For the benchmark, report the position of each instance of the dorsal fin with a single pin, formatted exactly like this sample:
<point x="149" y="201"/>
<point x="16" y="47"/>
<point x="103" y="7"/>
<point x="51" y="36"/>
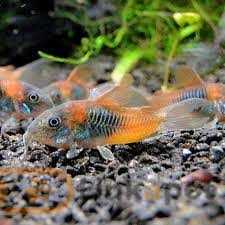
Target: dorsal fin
<point x="185" y="77"/>
<point x="126" y="80"/>
<point x="121" y="94"/>
<point x="80" y="75"/>
<point x="7" y="72"/>
<point x="102" y="89"/>
<point x="10" y="73"/>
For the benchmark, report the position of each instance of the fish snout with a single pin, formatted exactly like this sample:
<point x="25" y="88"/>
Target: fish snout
<point x="26" y="140"/>
<point x="29" y="138"/>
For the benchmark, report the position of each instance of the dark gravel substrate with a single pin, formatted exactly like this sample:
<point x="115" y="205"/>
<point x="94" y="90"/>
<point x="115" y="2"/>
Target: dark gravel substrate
<point x="147" y="183"/>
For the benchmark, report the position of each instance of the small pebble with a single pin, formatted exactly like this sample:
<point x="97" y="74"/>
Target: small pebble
<point x="202" y="147"/>
<point x="73" y="153"/>
<point x="186" y="153"/>
<point x="106" y="153"/>
<point x="217" y="153"/>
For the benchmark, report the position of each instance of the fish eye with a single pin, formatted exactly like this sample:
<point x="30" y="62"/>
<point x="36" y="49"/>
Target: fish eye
<point x="54" y="122"/>
<point x="34" y="97"/>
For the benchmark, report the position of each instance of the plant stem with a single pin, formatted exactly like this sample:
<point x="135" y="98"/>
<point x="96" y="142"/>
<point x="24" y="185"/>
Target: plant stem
<point x="65" y="60"/>
<point x="204" y="15"/>
<point x="167" y="66"/>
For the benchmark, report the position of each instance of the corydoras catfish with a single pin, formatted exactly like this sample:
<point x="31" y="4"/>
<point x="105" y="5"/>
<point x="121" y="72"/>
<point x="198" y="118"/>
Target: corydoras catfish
<point x="108" y="119"/>
<point x="76" y="87"/>
<point x="21" y="100"/>
<point x="189" y="85"/>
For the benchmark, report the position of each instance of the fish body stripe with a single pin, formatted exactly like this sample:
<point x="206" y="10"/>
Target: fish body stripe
<point x="102" y="122"/>
<point x="221" y="107"/>
<point x="193" y="93"/>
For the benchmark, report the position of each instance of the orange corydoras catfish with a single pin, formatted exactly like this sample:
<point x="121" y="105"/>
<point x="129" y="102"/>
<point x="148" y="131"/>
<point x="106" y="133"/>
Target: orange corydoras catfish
<point x="111" y="118"/>
<point x="189" y="85"/>
<point x="22" y="100"/>
<point x="75" y="87"/>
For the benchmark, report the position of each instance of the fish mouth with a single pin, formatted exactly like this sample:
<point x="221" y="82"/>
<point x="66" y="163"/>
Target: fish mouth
<point x="27" y="140"/>
<point x="31" y="135"/>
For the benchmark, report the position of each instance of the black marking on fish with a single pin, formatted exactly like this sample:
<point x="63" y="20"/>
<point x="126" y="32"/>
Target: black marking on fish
<point x="102" y="122"/>
<point x="193" y="93"/>
<point x="221" y="107"/>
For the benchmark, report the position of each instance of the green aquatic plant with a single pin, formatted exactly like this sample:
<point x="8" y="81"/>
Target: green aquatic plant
<point x="143" y="29"/>
<point x="189" y="23"/>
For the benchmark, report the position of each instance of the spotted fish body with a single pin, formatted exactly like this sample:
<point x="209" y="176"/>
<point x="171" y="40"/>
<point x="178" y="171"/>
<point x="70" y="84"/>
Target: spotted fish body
<point x="22" y="100"/>
<point x="192" y="87"/>
<point x="90" y="125"/>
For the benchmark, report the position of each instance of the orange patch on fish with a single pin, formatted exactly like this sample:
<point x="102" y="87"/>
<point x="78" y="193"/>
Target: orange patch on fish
<point x="13" y="89"/>
<point x="65" y="88"/>
<point x="75" y="87"/>
<point x="137" y="125"/>
<point x="215" y="91"/>
<point x="76" y="113"/>
<point x="10" y="73"/>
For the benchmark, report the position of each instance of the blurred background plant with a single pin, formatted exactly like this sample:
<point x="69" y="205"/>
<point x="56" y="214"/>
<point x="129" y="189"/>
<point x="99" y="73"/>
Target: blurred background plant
<point x="154" y="26"/>
<point x="151" y="30"/>
<point x="139" y="29"/>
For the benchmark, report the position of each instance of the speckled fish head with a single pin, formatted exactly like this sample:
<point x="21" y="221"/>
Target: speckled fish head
<point x="57" y="126"/>
<point x="33" y="101"/>
<point x="50" y="128"/>
<point x="62" y="91"/>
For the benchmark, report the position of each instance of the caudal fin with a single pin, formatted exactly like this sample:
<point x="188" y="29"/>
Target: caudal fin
<point x="189" y="114"/>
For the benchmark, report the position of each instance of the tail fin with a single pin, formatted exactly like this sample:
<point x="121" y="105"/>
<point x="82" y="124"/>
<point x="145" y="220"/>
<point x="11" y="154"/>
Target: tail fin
<point x="189" y="114"/>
